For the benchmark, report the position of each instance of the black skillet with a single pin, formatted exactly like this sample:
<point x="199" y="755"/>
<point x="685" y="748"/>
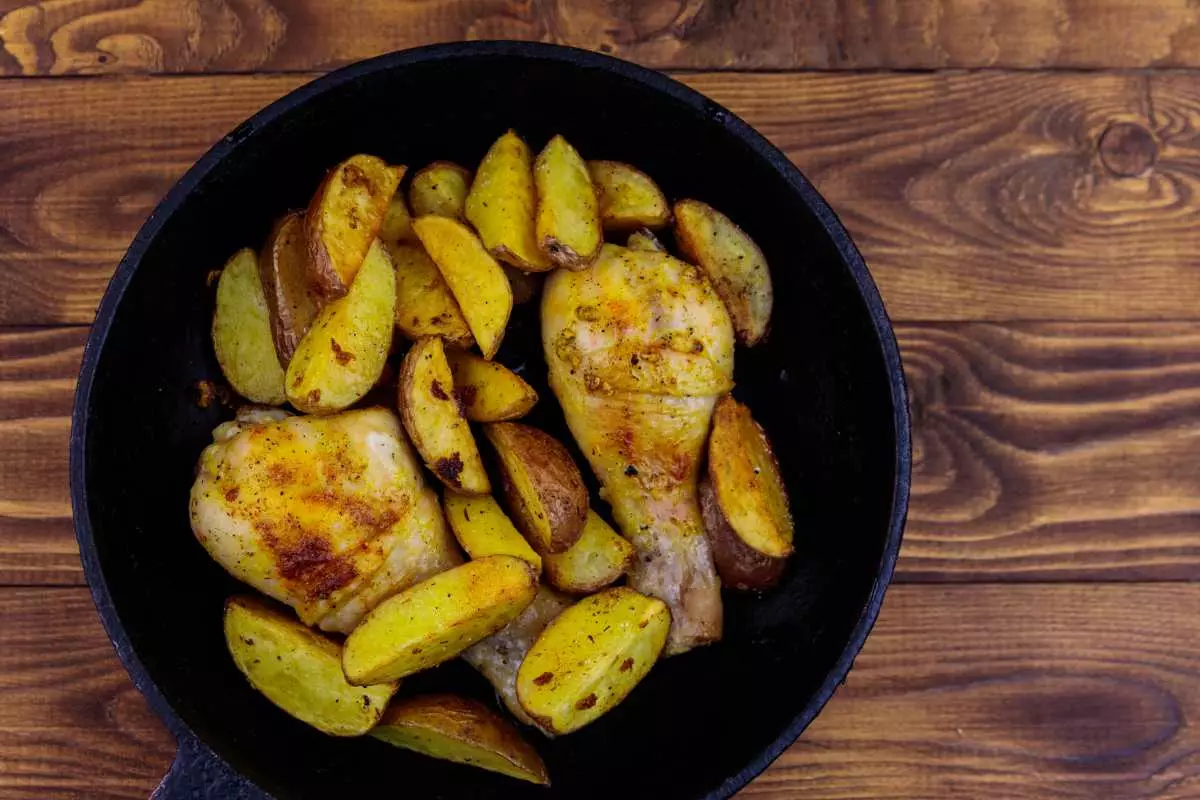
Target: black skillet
<point x="827" y="386"/>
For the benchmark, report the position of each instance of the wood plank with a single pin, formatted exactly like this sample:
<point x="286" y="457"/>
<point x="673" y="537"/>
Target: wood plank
<point x="1043" y="451"/>
<point x="1040" y="691"/>
<point x="102" y="36"/>
<point x="973" y="196"/>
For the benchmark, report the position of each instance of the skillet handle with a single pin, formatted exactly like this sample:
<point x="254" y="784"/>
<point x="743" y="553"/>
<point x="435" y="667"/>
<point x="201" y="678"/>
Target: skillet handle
<point x="198" y="774"/>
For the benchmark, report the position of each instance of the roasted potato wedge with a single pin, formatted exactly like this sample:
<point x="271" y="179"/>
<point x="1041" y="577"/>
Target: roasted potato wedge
<point x="739" y="565"/>
<point x="344" y="218"/>
<point x="590" y="657"/>
<point x="424" y="304"/>
<point x="291" y="299"/>
<point x="628" y="197"/>
<point x="568" y="210"/>
<point x="434" y="421"/>
<point x="525" y="285"/>
<point x="437" y="619"/>
<point x="748" y="490"/>
<point x="241" y="333"/>
<point x="542" y="486"/>
<point x="464" y="731"/>
<point x="483" y="529"/>
<point x="645" y="240"/>
<point x="474" y="278"/>
<point x="346" y="348"/>
<point x="489" y="392"/>
<point x="599" y="558"/>
<point x="300" y="670"/>
<point x="440" y="188"/>
<point x="397" y="222"/>
<point x="502" y="204"/>
<point x="737" y="268"/>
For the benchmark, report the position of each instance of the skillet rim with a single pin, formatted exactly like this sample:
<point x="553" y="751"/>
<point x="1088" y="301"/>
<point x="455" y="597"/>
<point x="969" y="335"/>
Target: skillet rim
<point x="657" y="81"/>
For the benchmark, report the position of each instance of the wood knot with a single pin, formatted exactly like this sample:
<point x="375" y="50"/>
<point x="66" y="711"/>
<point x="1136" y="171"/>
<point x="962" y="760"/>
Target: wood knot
<point x="1127" y="149"/>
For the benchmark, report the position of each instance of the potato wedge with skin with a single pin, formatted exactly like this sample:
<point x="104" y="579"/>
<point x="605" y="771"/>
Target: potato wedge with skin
<point x="434" y="420"/>
<point x="645" y="240"/>
<point x="599" y="558"/>
<point x="346" y="348"/>
<point x="424" y="304"/>
<point x="502" y="204"/>
<point x="437" y="619"/>
<point x="739" y="565"/>
<point x="291" y="299"/>
<point x="299" y="670"/>
<point x="737" y="268"/>
<point x="397" y="222"/>
<point x="464" y="731"/>
<point x="474" y="278"/>
<point x="568" y="210"/>
<point x="345" y="216"/>
<point x="440" y="188"/>
<point x="483" y="529"/>
<point x="525" y="285"/>
<point x="241" y="333"/>
<point x="490" y="392"/>
<point x="590" y="657"/>
<point x="628" y="197"/>
<point x="746" y="482"/>
<point x="542" y="485"/>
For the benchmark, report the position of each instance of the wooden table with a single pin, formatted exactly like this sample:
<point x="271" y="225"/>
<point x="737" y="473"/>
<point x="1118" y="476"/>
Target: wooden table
<point x="1023" y="177"/>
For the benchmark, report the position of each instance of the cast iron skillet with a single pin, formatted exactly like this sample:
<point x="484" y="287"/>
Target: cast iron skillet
<point x="827" y="386"/>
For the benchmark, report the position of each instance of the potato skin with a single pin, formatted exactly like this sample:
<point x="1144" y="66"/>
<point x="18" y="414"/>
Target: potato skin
<point x="434" y="420"/>
<point x="283" y="267"/>
<point x="337" y="248"/>
<point x="299" y="670"/>
<point x="739" y="565"/>
<point x="464" y="731"/>
<point x="542" y="485"/>
<point x="241" y="333"/>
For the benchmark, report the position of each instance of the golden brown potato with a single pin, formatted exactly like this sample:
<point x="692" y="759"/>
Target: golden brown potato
<point x="397" y="223"/>
<point x="542" y="486"/>
<point x="424" y="304"/>
<point x="291" y="299"/>
<point x="463" y="731"/>
<point x="645" y="240"/>
<point x="599" y="558"/>
<point x="437" y="619"/>
<point x="568" y="210"/>
<point x="590" y="657"/>
<point x="739" y="565"/>
<point x="490" y="392"/>
<point x="737" y="268"/>
<point x="502" y="204"/>
<point x="300" y="670"/>
<point x="525" y="285"/>
<point x="747" y="488"/>
<point x="434" y="421"/>
<point x="241" y="333"/>
<point x="483" y="529"/>
<point x="474" y="278"/>
<point x="440" y="188"/>
<point x="628" y="197"/>
<point x="346" y="348"/>
<point x="344" y="218"/>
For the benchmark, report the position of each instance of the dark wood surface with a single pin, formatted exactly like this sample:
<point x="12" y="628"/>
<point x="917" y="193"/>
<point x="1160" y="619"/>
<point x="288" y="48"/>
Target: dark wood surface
<point x="1032" y="226"/>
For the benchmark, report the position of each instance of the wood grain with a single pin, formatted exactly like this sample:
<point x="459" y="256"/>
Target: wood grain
<point x="1042" y="451"/>
<point x="1021" y="692"/>
<point x="973" y="196"/>
<point x="57" y="37"/>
